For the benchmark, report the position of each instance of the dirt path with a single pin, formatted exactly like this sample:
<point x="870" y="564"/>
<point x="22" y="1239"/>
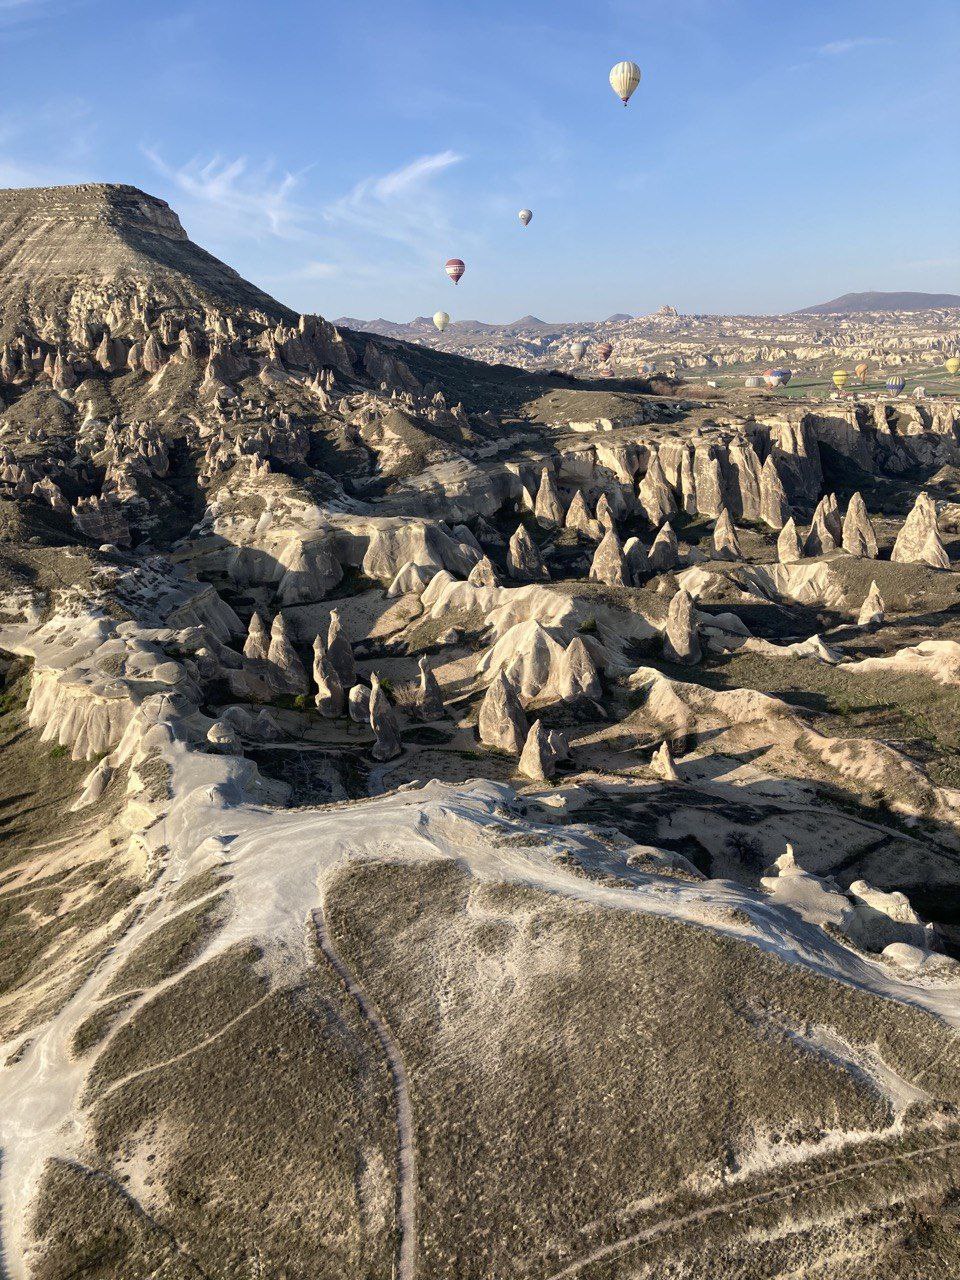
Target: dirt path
<point x="785" y="1192"/>
<point x="406" y="1150"/>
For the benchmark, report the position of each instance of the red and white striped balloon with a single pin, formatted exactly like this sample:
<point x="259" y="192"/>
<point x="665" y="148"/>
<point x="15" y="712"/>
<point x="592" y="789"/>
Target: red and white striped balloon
<point x="455" y="269"/>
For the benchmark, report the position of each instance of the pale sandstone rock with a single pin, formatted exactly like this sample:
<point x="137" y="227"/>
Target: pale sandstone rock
<point x="774" y="507"/>
<point x="873" y="608"/>
<point x="681" y="641"/>
<point x="577" y="674"/>
<point x="539" y="757"/>
<point x="330" y="699"/>
<point x="284" y="657"/>
<point x="502" y="721"/>
<point x="257" y="643"/>
<point x="918" y="541"/>
<point x="384" y="723"/>
<point x="726" y="545"/>
<point x="859" y="536"/>
<point x="523" y="558"/>
<point x="664" y="553"/>
<point x="788" y="543"/>
<point x="548" y="508"/>
<point x="340" y="652"/>
<point x="608" y="563"/>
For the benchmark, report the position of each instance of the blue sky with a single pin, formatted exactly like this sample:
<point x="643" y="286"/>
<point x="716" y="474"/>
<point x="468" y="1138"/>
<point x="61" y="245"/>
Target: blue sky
<point x="775" y="154"/>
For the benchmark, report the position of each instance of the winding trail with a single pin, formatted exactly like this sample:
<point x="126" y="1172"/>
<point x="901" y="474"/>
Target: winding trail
<point x="406" y="1149"/>
<point x="728" y="1208"/>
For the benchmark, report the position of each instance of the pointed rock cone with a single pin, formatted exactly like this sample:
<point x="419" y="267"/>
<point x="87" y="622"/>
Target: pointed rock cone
<point x="523" y="559"/>
<point x="608" y="564"/>
<point x="726" y="545"/>
<point x="358" y="703"/>
<point x="330" y="699"/>
<point x="831" y="514"/>
<point x="580" y="520"/>
<point x="688" y="484"/>
<point x="502" y="721"/>
<point x="774" y="507"/>
<point x="681" y="640"/>
<point x="257" y="643"/>
<point x="859" y="536"/>
<point x="820" y="540"/>
<point x="483" y="574"/>
<point x="656" y="496"/>
<point x="873" y="609"/>
<point x="918" y="542"/>
<point x="384" y="723"/>
<point x="340" y="652"/>
<point x="788" y="543"/>
<point x="637" y="558"/>
<point x="284" y="656"/>
<point x="664" y="554"/>
<point x="548" y="508"/>
<point x="661" y="763"/>
<point x="605" y="512"/>
<point x="538" y="759"/>
<point x="577" y="675"/>
<point x="429" y="699"/>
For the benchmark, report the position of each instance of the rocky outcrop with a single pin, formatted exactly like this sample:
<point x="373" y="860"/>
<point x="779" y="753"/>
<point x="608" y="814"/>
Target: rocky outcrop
<point x="788" y="543"/>
<point x="656" y="496"/>
<point x="340" y="652"/>
<point x="502" y="722"/>
<point x="859" y="536"/>
<point x="608" y="563"/>
<point x="523" y="558"/>
<point x="726" y="545"/>
<point x="577" y="674"/>
<point x="918" y="541"/>
<point x="257" y="643"/>
<point x="580" y="519"/>
<point x="774" y="507"/>
<point x="873" y="609"/>
<point x="681" y="641"/>
<point x="548" y="508"/>
<point x="330" y="698"/>
<point x="384" y="723"/>
<point x="284" y="657"/>
<point x="542" y="752"/>
<point x="664" y="553"/>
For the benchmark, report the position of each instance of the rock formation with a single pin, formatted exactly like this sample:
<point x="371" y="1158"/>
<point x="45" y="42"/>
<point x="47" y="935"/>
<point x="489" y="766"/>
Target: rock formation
<point x="859" y="537"/>
<point x="918" y="541"/>
<point x="681" y="641"/>
<point x="502" y="721"/>
<point x="384" y="723"/>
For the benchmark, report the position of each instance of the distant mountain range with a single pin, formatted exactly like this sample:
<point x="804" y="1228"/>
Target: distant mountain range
<point x="851" y="302"/>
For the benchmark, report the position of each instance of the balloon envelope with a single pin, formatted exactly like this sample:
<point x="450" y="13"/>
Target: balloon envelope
<point x="777" y="377"/>
<point x="753" y="381"/>
<point x="577" y="350"/>
<point x="441" y="320"/>
<point x="840" y="377"/>
<point x="624" y="78"/>
<point x="952" y="365"/>
<point x="895" y="385"/>
<point x="455" y="268"/>
<point x="862" y="370"/>
<point x="525" y="215"/>
<point x="604" y="350"/>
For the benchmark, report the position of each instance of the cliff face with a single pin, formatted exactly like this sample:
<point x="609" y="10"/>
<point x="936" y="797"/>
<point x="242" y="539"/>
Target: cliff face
<point x="64" y="248"/>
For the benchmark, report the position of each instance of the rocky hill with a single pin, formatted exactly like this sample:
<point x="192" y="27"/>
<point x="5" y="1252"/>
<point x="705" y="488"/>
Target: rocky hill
<point x="850" y="303"/>
<point x="454" y="820"/>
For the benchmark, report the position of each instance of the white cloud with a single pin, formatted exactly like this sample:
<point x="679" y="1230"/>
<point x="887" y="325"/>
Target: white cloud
<point x="836" y="48"/>
<point x="399" y="206"/>
<point x="251" y="200"/>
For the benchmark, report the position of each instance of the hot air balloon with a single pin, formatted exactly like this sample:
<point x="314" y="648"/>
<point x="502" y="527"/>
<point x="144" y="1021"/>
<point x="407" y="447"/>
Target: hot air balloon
<point x="840" y="378"/>
<point x="753" y="381"/>
<point x="895" y="385"/>
<point x="862" y="370"/>
<point x="577" y="350"/>
<point x="604" y="350"/>
<point x="624" y="78"/>
<point x="455" y="269"/>
<point x="952" y="366"/>
<point x="441" y="320"/>
<point x="777" y="377"/>
<point x="525" y="215"/>
<point x="606" y="373"/>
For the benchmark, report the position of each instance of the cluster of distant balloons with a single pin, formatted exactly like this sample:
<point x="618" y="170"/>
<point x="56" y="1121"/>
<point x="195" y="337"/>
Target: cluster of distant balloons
<point x="624" y="78"/>
<point x="895" y="384"/>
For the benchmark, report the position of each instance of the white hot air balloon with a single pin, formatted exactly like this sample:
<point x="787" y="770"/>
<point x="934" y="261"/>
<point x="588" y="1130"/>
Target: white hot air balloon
<point x="624" y="78"/>
<point x="441" y="320"/>
<point x="577" y="350"/>
<point x="525" y="215"/>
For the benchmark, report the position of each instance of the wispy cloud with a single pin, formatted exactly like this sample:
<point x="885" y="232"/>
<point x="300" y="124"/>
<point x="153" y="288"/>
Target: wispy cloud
<point x="253" y="200"/>
<point x="837" y="48"/>
<point x="399" y="206"/>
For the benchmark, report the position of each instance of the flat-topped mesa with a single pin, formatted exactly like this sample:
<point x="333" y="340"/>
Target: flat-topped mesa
<point x="69" y="251"/>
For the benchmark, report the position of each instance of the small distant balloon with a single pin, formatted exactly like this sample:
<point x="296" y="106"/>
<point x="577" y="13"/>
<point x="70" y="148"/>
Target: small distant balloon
<point x="840" y="378"/>
<point x="525" y="215"/>
<point x="895" y="385"/>
<point x="455" y="268"/>
<point x="624" y="78"/>
<point x="578" y="350"/>
<point x="777" y="377"/>
<point x="753" y="381"/>
<point x="441" y="319"/>
<point x="604" y="350"/>
<point x="952" y="366"/>
<point x="862" y="370"/>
